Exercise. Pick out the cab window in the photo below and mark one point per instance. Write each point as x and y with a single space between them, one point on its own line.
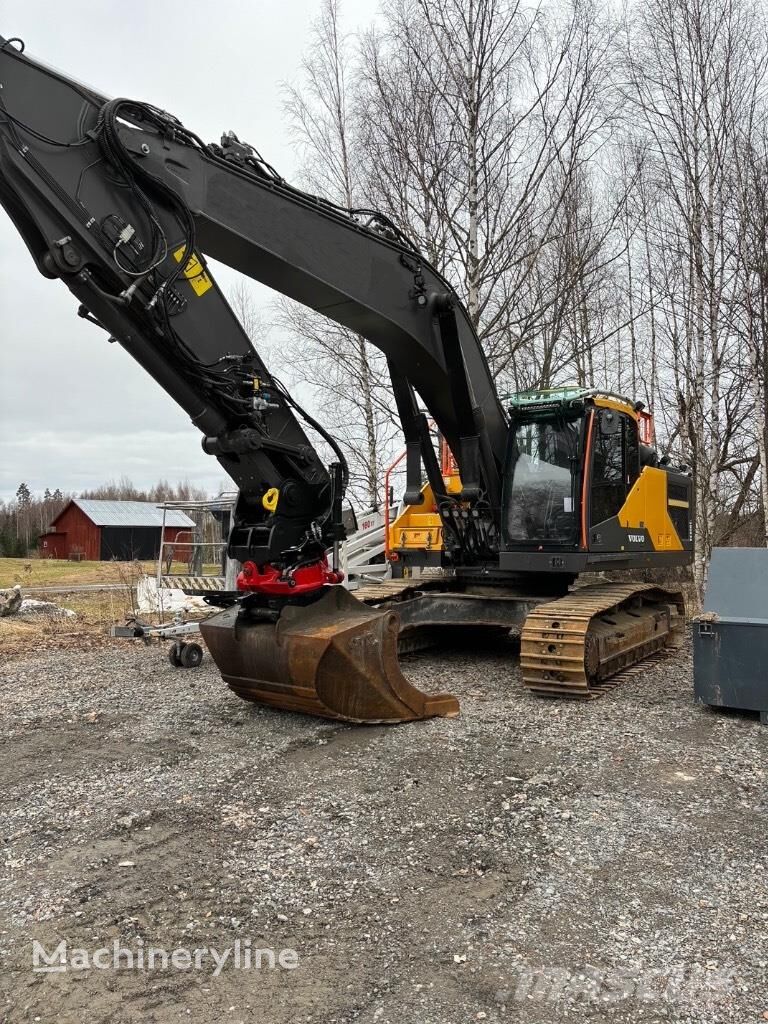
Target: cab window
615 462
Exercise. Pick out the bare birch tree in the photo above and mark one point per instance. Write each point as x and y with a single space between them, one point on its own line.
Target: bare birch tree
752 304
346 374
695 72
480 117
250 316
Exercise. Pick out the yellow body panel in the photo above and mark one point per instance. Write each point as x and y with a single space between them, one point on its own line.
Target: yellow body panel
646 506
616 404
417 527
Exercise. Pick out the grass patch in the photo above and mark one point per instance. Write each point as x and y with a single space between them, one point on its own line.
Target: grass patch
95 612
56 572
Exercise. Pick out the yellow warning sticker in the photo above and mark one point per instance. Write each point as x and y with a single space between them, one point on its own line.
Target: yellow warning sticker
194 272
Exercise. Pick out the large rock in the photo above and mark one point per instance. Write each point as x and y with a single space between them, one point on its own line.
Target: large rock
10 601
31 606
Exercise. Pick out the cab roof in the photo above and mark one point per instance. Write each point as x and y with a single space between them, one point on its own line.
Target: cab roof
541 399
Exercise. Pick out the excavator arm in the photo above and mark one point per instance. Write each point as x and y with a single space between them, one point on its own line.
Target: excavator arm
122 203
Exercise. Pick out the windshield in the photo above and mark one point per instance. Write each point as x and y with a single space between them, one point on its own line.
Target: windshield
540 482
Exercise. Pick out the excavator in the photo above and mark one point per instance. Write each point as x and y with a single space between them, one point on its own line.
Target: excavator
124 205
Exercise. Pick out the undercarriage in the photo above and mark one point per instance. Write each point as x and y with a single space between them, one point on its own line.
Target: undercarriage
337 655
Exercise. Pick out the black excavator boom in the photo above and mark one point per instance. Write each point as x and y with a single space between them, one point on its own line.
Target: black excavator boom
122 203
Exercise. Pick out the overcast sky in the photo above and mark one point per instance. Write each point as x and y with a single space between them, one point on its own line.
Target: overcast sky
76 411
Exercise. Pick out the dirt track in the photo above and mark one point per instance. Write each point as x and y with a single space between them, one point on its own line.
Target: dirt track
421 873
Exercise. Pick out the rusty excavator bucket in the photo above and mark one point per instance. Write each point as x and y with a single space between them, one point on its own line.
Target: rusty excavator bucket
336 658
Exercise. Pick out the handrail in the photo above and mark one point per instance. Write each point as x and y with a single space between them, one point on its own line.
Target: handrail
389 555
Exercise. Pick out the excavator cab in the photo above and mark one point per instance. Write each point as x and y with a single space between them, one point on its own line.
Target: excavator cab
584 490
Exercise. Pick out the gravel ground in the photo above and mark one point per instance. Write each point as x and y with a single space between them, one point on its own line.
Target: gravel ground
528 861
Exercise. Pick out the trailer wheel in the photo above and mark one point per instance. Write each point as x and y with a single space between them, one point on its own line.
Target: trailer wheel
174 654
191 655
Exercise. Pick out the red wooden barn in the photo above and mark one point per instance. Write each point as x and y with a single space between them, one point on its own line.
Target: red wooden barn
103 530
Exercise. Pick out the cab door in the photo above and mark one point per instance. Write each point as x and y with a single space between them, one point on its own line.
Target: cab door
615 463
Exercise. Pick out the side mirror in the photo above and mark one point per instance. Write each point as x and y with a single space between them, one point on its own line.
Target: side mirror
610 422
